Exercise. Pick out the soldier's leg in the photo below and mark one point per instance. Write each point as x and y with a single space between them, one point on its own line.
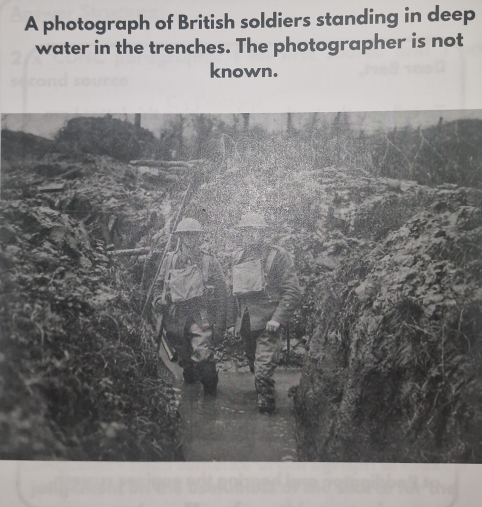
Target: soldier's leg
203 357
249 341
177 336
182 345
268 348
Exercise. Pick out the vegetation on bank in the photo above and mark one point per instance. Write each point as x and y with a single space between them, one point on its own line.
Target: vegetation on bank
386 245
80 378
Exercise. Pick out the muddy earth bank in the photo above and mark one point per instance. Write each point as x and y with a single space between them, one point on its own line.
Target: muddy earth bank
391 307
394 370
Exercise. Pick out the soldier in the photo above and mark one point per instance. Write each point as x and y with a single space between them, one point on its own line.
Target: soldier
191 291
267 292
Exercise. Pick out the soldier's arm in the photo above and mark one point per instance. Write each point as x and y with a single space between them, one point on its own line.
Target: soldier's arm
220 296
288 285
232 312
159 282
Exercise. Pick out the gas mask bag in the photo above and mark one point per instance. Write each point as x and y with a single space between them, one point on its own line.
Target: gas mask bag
248 278
185 284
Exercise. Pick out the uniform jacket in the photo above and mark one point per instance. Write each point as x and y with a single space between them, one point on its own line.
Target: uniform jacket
212 306
281 297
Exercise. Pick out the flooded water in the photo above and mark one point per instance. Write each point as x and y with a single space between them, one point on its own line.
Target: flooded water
229 426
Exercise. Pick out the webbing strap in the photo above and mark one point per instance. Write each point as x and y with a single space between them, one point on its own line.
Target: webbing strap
270 259
171 264
205 269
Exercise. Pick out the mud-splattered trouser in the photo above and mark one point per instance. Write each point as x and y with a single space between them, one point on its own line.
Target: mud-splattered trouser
263 351
196 355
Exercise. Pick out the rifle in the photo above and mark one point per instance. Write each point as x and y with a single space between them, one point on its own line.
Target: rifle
288 344
171 354
166 249
131 252
161 340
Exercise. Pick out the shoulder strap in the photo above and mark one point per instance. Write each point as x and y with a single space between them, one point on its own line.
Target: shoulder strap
237 254
170 263
205 268
270 259
173 260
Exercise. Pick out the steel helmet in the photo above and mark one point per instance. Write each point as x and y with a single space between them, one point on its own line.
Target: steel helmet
189 225
255 220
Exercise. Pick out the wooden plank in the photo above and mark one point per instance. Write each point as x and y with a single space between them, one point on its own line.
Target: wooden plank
53 187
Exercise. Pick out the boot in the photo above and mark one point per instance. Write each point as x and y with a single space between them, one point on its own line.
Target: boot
209 378
266 393
266 404
211 387
189 375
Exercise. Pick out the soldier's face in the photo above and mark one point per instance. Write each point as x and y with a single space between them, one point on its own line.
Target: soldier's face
251 236
191 240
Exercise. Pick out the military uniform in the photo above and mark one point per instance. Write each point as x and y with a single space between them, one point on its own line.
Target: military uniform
272 297
191 289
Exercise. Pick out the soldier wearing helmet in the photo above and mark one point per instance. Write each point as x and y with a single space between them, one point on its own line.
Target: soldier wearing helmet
191 290
267 292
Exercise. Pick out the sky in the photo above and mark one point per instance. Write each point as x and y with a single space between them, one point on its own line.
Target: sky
47 125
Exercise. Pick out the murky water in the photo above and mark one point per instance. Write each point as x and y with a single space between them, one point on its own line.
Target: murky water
229 426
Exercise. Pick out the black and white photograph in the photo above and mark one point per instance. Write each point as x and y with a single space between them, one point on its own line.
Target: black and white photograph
240 253
245 287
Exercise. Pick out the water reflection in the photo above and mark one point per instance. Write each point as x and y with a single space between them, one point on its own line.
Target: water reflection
229 426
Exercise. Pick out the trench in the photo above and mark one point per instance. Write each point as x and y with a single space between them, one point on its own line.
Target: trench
229 427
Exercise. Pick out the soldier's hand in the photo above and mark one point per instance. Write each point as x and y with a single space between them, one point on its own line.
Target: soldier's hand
272 326
217 339
232 331
158 304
